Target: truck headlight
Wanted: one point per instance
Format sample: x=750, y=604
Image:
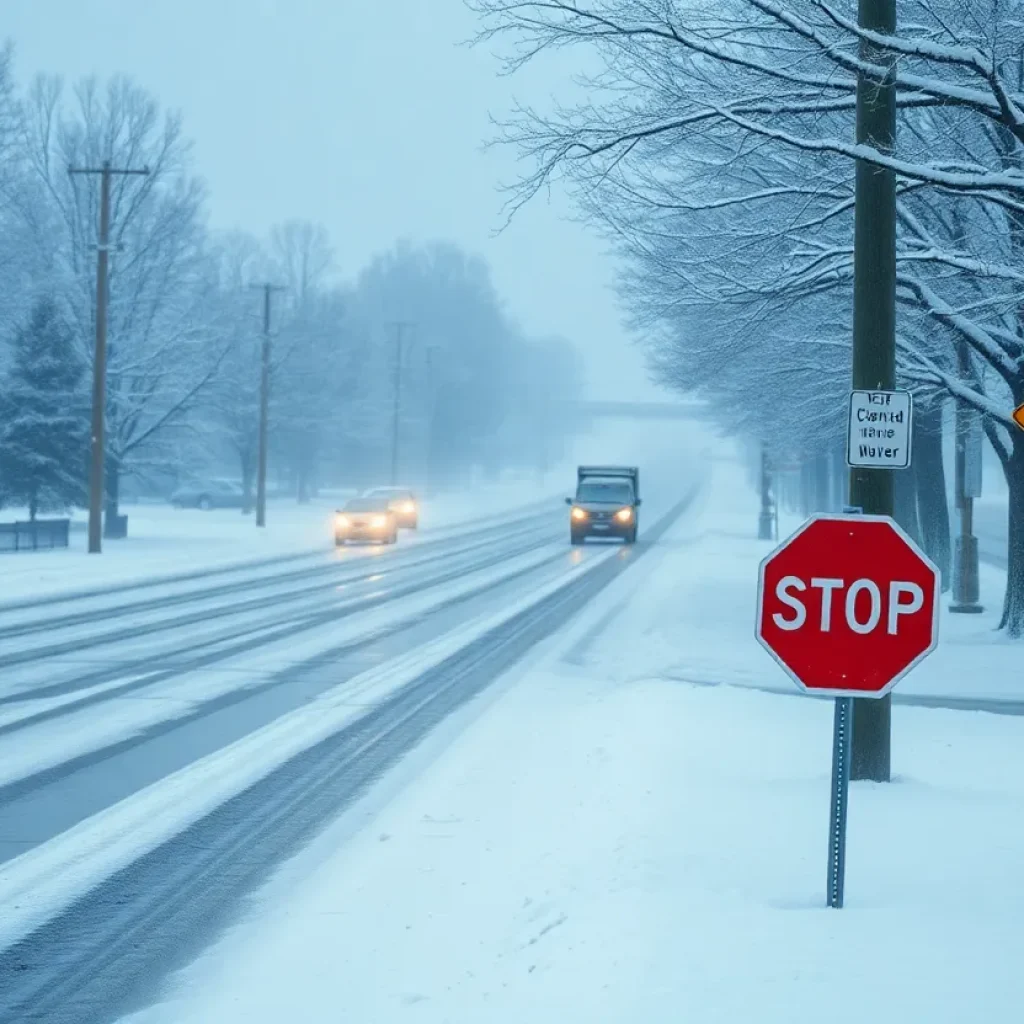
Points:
x=624, y=515
x=578, y=514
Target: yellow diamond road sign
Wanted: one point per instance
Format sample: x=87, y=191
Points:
x=1018, y=416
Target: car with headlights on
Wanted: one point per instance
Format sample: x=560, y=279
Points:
x=606, y=504
x=367, y=519
x=402, y=502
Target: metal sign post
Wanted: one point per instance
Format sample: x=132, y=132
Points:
x=842, y=747
x=842, y=744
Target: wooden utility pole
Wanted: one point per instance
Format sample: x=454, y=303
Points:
x=261, y=465
x=396, y=396
x=99, y=368
x=874, y=322
x=431, y=416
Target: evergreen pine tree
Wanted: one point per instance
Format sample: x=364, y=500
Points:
x=43, y=423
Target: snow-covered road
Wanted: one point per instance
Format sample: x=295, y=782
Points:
x=156, y=736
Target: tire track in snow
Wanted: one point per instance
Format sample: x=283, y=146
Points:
x=107, y=954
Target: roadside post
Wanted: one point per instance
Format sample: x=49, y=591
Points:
x=767, y=523
x=847, y=606
x=842, y=741
x=967, y=485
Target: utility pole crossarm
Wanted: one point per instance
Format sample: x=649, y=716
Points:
x=99, y=378
x=106, y=168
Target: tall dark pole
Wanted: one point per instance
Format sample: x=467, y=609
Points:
x=874, y=324
x=396, y=399
x=966, y=577
x=431, y=411
x=261, y=464
x=97, y=438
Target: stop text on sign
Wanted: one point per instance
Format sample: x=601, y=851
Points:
x=848, y=605
x=863, y=603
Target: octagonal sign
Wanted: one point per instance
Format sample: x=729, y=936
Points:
x=848, y=605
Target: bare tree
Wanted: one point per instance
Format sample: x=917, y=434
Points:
x=304, y=258
x=720, y=138
x=163, y=346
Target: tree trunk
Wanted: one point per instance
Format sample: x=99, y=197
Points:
x=301, y=467
x=33, y=505
x=806, y=487
x=930, y=482
x=112, y=488
x=1013, y=603
x=247, y=460
x=822, y=481
x=840, y=478
x=905, y=502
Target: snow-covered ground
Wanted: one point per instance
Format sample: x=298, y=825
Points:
x=613, y=835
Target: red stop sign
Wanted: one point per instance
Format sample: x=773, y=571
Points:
x=848, y=605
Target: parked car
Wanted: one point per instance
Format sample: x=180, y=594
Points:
x=207, y=494
x=402, y=502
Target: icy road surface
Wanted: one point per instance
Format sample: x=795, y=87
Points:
x=164, y=746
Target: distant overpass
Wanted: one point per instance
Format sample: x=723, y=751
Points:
x=684, y=409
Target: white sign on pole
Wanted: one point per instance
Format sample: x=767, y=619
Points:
x=879, y=433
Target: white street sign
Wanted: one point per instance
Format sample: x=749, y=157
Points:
x=879, y=434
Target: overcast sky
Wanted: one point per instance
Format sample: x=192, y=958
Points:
x=364, y=115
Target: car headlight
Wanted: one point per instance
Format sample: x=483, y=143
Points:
x=624, y=515
x=342, y=522
x=579, y=514
x=379, y=522
x=407, y=508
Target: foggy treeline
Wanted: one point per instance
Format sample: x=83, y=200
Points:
x=477, y=395
x=715, y=144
